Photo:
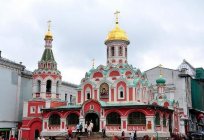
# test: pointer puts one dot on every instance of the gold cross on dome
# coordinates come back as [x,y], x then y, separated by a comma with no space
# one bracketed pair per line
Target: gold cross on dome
[116,15]
[93,61]
[49,24]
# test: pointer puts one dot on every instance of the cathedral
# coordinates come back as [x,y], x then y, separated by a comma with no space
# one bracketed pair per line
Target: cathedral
[116,97]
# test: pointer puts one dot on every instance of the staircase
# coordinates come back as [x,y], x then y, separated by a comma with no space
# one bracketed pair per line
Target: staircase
[83,136]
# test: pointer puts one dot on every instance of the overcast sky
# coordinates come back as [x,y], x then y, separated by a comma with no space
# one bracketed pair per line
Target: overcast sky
[160,32]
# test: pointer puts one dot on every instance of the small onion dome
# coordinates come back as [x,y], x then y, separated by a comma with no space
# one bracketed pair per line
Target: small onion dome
[117,34]
[48,35]
[161,80]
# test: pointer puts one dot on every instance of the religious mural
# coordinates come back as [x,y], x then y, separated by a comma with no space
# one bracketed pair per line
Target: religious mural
[104,90]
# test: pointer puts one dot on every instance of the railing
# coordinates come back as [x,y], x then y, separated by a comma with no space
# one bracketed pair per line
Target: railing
[37,95]
[113,127]
[57,95]
[165,129]
[54,127]
[131,127]
[158,128]
[73,127]
[48,95]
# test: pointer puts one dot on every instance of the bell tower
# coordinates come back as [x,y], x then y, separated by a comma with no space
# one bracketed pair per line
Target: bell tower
[47,78]
[117,42]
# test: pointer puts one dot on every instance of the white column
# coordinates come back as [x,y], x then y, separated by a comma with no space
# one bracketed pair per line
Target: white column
[115,94]
[134,93]
[150,120]
[122,120]
[43,126]
[127,93]
[63,120]
[18,90]
[109,94]
[102,119]
[161,122]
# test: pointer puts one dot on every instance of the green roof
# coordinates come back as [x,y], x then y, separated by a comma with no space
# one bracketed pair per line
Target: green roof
[47,55]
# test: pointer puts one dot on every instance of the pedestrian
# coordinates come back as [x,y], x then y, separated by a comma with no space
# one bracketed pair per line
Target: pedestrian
[123,135]
[12,138]
[89,129]
[85,127]
[153,137]
[70,133]
[104,132]
[80,127]
[130,136]
[77,128]
[135,135]
[91,125]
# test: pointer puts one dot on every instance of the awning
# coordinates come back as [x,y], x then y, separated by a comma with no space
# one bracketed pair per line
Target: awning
[5,129]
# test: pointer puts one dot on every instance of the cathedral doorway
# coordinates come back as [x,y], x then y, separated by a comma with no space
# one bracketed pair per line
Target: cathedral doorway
[37,133]
[95,119]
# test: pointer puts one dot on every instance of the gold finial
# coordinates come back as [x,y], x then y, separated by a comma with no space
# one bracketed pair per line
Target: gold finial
[93,61]
[49,24]
[160,71]
[116,15]
[48,35]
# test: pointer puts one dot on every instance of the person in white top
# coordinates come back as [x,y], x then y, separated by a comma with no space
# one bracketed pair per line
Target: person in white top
[89,129]
[91,125]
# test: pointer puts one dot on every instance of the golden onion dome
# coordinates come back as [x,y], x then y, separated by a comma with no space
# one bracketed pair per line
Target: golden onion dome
[48,35]
[117,34]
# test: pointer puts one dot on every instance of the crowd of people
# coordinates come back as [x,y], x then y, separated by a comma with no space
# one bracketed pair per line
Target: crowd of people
[88,127]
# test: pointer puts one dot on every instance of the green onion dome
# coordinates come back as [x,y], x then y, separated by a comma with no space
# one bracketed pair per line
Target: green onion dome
[161,80]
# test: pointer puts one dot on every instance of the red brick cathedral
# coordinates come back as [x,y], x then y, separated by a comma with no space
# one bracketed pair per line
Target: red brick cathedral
[115,96]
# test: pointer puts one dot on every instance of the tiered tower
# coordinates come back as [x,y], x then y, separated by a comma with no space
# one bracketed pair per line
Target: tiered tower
[47,78]
[117,42]
[46,83]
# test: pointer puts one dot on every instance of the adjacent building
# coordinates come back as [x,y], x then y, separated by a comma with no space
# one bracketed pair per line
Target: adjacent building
[15,88]
[178,88]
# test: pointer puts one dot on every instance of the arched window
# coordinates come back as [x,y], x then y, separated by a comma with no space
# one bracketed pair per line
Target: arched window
[113,118]
[107,52]
[120,51]
[112,51]
[88,96]
[125,52]
[136,118]
[164,120]
[88,93]
[57,87]
[121,93]
[138,93]
[72,119]
[54,119]
[48,86]
[157,119]
[38,86]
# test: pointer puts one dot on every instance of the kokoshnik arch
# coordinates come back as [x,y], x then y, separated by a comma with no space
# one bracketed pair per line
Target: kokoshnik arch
[117,97]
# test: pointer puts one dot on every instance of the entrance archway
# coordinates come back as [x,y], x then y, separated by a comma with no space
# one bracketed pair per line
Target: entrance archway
[95,119]
[37,133]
